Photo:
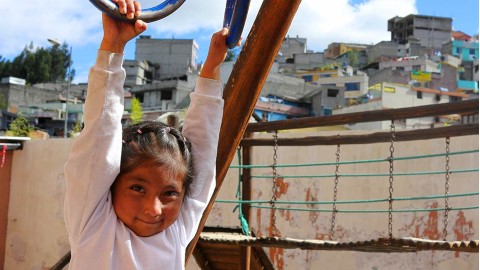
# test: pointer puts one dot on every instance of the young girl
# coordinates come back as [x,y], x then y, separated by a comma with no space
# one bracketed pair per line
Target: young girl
[134,201]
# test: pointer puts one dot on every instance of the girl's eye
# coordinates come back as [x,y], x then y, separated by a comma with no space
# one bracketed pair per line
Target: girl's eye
[172,193]
[137,188]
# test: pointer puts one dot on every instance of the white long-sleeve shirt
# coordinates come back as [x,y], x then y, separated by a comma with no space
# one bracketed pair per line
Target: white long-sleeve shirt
[98,239]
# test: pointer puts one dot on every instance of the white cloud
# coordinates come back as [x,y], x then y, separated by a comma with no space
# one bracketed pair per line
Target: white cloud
[76,22]
[79,23]
[321,24]
[364,23]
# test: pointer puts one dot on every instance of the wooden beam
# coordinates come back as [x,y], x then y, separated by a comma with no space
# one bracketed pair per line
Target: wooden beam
[377,137]
[246,251]
[458,107]
[245,84]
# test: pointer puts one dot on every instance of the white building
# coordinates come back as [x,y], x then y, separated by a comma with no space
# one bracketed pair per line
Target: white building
[392,96]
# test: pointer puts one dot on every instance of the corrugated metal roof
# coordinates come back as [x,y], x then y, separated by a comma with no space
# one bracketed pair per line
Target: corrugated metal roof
[386,245]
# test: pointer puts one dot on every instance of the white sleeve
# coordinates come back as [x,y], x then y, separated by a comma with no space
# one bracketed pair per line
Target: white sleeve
[202,127]
[94,160]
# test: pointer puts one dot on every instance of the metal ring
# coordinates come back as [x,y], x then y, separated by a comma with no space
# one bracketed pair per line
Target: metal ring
[234,19]
[147,15]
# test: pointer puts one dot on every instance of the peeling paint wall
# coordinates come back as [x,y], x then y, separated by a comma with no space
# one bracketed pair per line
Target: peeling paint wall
[462,225]
[37,238]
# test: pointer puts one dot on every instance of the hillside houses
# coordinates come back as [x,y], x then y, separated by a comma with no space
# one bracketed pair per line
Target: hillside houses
[424,55]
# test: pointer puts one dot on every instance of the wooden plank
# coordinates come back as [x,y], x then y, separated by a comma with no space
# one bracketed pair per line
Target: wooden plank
[459,107]
[245,84]
[246,251]
[201,259]
[377,137]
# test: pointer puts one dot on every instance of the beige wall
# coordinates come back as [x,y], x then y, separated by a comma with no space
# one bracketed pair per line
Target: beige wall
[36,234]
[37,238]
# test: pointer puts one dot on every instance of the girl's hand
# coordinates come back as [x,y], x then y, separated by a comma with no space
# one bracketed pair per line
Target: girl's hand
[118,33]
[216,55]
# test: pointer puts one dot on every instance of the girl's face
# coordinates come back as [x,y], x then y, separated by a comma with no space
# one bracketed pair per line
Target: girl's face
[148,198]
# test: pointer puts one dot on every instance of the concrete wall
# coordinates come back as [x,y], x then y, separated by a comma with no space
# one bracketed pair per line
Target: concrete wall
[176,57]
[22,95]
[340,81]
[36,236]
[275,83]
[36,233]
[291,46]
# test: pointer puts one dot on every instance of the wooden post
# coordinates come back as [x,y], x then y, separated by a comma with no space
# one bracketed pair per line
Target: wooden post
[246,251]
[173,121]
[5,178]
[245,84]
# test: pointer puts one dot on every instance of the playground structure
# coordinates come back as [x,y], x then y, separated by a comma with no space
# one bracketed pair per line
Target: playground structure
[241,93]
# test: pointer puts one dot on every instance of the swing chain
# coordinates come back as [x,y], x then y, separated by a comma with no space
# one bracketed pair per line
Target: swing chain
[447,187]
[335,189]
[274,187]
[390,198]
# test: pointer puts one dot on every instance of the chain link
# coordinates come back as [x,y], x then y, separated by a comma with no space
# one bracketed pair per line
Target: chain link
[274,187]
[335,189]
[447,187]
[390,190]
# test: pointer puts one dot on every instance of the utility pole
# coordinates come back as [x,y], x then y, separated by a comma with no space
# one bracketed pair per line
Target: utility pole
[69,78]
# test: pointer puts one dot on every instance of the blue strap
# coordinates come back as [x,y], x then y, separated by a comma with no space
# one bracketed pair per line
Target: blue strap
[148,15]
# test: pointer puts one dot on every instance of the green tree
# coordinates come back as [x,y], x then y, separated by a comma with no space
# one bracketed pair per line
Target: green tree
[77,128]
[3,102]
[353,56]
[136,112]
[5,67]
[38,65]
[20,127]
[232,54]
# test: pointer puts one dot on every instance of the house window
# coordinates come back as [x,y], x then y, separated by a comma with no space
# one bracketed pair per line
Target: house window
[327,111]
[167,95]
[352,86]
[472,51]
[419,94]
[455,99]
[307,78]
[139,96]
[332,92]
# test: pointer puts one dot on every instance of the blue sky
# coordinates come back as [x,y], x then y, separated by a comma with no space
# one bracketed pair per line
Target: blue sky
[78,23]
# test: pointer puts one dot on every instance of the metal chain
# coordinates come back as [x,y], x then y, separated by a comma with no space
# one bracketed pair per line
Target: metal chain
[390,190]
[335,189]
[274,187]
[447,187]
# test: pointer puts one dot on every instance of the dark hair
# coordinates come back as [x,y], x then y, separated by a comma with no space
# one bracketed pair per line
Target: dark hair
[155,142]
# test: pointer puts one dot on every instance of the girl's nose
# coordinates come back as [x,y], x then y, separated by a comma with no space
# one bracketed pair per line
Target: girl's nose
[153,207]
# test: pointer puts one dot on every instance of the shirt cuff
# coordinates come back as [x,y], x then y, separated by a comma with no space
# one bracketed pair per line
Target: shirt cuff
[109,61]
[209,87]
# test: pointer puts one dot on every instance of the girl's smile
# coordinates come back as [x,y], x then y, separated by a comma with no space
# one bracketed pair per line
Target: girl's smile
[148,199]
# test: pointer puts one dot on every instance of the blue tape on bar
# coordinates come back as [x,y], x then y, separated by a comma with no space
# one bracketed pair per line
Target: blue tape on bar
[235,16]
[155,13]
